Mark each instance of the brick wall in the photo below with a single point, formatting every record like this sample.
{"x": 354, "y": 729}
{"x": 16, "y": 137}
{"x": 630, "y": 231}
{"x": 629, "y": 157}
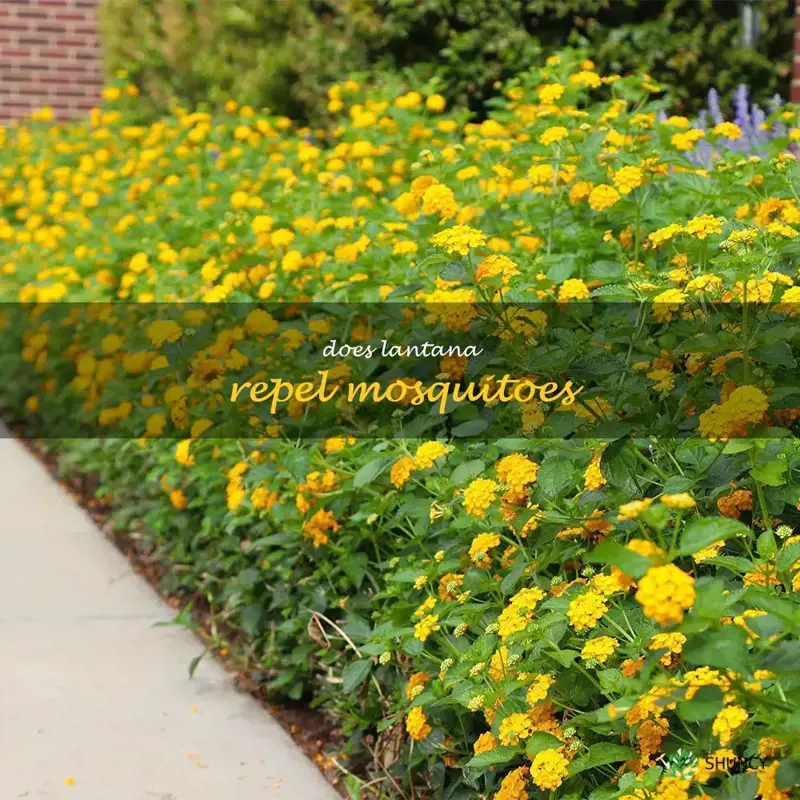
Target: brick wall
{"x": 49, "y": 56}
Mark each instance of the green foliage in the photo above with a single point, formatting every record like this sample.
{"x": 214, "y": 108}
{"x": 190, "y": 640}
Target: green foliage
{"x": 279, "y": 55}
{"x": 484, "y": 596}
{"x": 283, "y": 55}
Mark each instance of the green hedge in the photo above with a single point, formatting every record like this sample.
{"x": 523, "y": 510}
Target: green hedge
{"x": 283, "y": 55}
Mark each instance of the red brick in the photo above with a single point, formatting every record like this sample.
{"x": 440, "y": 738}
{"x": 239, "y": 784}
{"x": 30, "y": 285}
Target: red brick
{"x": 72, "y": 16}
{"x": 82, "y": 42}
{"x": 49, "y": 54}
{"x": 33, "y": 66}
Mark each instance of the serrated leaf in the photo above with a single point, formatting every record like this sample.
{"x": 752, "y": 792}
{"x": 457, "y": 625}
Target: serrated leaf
{"x": 510, "y": 580}
{"x": 771, "y": 473}
{"x": 725, "y": 648}
{"x": 500, "y": 755}
{"x": 766, "y": 545}
{"x": 539, "y": 741}
{"x": 704, "y": 705}
{"x": 601, "y": 754}
{"x": 355, "y": 673}
{"x": 740, "y": 787}
{"x": 369, "y": 471}
{"x": 555, "y": 474}
{"x": 784, "y": 657}
{"x": 467, "y": 471}
{"x": 702, "y": 532}
{"x": 471, "y": 428}
{"x": 788, "y": 556}
{"x": 788, "y": 774}
{"x": 617, "y": 555}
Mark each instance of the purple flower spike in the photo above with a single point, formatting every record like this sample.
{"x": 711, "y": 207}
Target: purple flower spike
{"x": 748, "y": 117}
{"x": 759, "y": 118}
{"x": 713, "y": 107}
{"x": 742, "y": 109}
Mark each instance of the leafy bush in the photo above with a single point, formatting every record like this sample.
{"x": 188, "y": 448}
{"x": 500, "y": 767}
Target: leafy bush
{"x": 276, "y": 55}
{"x": 510, "y": 617}
{"x": 283, "y": 55}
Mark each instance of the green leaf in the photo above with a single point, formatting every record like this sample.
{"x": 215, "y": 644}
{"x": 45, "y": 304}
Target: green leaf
{"x": 617, "y": 555}
{"x": 354, "y": 565}
{"x": 467, "y": 471}
{"x": 713, "y": 597}
{"x": 725, "y": 648}
{"x": 788, "y": 556}
{"x": 735, "y": 564}
{"x": 510, "y": 580}
{"x": 677, "y": 484}
{"x": 406, "y": 575}
{"x": 702, "y": 532}
{"x": 611, "y": 680}
{"x": 562, "y": 269}
{"x": 353, "y": 786}
{"x": 195, "y": 663}
{"x": 369, "y": 471}
{"x": 500, "y": 755}
{"x": 738, "y": 446}
{"x": 740, "y": 787}
{"x": 788, "y": 774}
{"x": 656, "y": 516}
{"x": 471, "y": 428}
{"x": 355, "y": 673}
{"x": 356, "y": 628}
{"x": 784, "y": 657}
{"x": 777, "y": 354}
{"x": 564, "y": 657}
{"x": 555, "y": 474}
{"x": 605, "y": 269}
{"x": 600, "y": 754}
{"x": 705, "y": 704}
{"x": 771, "y": 473}
{"x": 766, "y": 545}
{"x": 541, "y": 741}
{"x": 606, "y": 792}
{"x": 765, "y": 626}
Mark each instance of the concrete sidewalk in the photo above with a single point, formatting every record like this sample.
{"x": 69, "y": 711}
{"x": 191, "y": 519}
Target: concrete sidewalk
{"x": 96, "y": 703}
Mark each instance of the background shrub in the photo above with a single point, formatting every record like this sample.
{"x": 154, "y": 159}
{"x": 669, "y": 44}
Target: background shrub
{"x": 280, "y": 55}
{"x": 283, "y": 55}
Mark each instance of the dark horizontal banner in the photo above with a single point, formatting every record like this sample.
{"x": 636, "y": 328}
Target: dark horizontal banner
{"x": 582, "y": 369}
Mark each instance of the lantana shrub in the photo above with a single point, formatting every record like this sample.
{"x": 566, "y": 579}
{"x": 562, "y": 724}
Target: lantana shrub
{"x": 510, "y": 618}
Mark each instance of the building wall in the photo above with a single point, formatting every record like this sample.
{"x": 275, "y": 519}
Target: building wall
{"x": 49, "y": 56}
